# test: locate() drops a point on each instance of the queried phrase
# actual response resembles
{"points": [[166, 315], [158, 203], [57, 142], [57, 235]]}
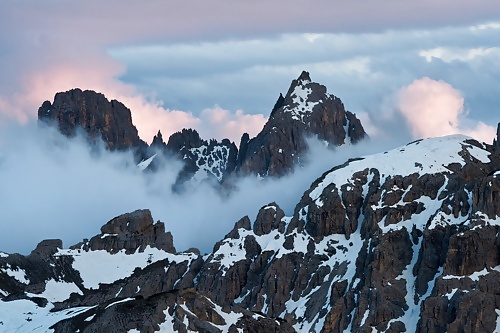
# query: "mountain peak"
{"points": [[304, 77], [307, 110], [158, 141], [99, 118]]}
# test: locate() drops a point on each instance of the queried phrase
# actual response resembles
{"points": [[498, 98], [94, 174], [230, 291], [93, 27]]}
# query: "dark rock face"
{"points": [[307, 110], [131, 232], [110, 121], [202, 159]]}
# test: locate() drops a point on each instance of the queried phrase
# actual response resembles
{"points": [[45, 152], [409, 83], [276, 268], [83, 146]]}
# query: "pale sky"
{"points": [[219, 66]]}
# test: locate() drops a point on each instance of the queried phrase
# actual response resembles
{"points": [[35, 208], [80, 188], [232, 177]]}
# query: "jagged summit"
{"points": [[307, 110], [304, 77], [98, 117], [158, 142]]}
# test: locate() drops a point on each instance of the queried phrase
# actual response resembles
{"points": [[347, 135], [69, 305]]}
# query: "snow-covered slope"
{"points": [[407, 240], [361, 251]]}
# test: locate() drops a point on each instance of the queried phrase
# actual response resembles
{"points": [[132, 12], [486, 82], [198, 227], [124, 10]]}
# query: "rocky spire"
{"points": [[307, 110], [158, 142], [304, 77]]}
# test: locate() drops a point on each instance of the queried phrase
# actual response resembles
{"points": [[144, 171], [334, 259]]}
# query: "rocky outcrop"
{"points": [[368, 249], [158, 143], [96, 116], [307, 110], [131, 232], [203, 160]]}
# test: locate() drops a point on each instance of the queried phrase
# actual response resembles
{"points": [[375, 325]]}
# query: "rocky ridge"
{"points": [[403, 241], [307, 110], [96, 116]]}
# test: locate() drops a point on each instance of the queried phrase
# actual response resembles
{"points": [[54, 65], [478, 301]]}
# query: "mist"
{"points": [[54, 187]]}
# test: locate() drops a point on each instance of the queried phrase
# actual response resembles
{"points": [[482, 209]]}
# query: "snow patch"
{"points": [[428, 156], [497, 329], [145, 163], [212, 161], [451, 293], [58, 291], [120, 301], [365, 316], [474, 276], [100, 266], [479, 154], [17, 273], [300, 97], [26, 316]]}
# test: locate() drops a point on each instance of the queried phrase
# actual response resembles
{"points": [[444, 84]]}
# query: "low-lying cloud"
{"points": [[55, 187]]}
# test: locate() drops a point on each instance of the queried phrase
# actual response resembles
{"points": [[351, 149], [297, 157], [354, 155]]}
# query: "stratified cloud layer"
{"points": [[168, 61]]}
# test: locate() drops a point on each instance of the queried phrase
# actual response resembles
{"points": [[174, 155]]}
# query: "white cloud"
{"points": [[219, 124], [71, 192], [486, 26], [451, 54], [435, 108]]}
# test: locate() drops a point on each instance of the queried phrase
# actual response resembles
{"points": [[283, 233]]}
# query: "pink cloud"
{"points": [[219, 123], [116, 21], [148, 116], [435, 108]]}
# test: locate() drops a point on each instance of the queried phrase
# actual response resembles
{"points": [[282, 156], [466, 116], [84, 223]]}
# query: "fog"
{"points": [[55, 187]]}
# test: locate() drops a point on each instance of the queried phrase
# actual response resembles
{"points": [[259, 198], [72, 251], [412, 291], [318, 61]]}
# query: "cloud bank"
{"points": [[54, 187], [434, 108], [169, 69]]}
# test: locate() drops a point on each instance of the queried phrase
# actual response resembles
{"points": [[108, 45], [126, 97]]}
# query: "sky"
{"points": [[408, 70]]}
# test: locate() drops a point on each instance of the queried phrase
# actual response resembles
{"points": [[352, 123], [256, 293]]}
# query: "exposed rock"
{"points": [[98, 117], [202, 159], [158, 143], [131, 232], [307, 110], [47, 248]]}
